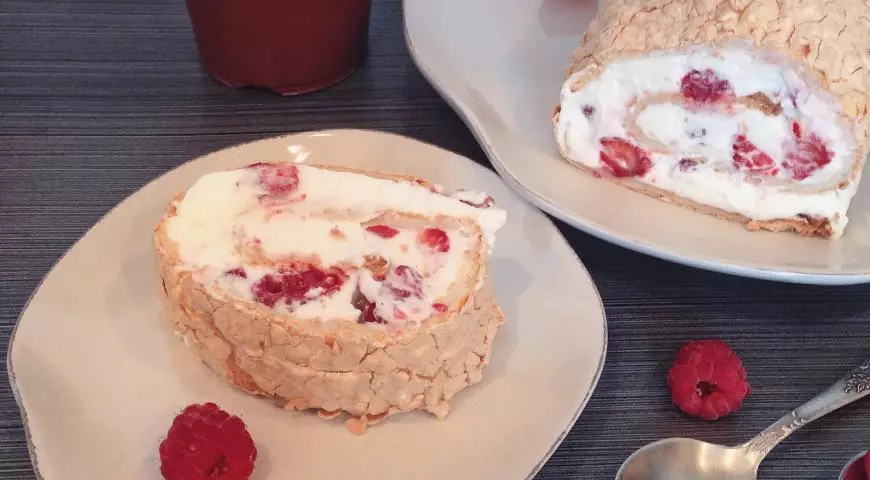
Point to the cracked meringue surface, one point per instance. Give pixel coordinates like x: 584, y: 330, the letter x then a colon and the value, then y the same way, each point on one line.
x: 333, y: 290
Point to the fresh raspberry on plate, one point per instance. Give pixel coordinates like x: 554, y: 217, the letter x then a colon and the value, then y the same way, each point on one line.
x: 707, y: 379
x: 207, y: 443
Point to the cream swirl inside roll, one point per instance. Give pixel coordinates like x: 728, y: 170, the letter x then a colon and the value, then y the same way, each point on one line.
x: 329, y: 244
x: 730, y: 127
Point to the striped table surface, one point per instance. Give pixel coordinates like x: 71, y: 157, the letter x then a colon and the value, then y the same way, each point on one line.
x: 97, y: 97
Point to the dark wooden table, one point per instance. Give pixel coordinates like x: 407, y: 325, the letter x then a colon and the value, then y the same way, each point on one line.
x: 97, y: 97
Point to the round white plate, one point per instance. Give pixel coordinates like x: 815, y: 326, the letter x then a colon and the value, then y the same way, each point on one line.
x: 500, y: 63
x: 99, y: 377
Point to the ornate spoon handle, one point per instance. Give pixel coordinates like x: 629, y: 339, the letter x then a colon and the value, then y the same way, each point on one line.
x: 852, y: 387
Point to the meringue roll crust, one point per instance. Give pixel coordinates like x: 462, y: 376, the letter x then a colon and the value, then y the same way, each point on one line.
x: 334, y: 290
x: 753, y: 113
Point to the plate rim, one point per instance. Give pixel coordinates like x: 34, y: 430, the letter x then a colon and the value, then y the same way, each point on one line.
x: 10, y: 370
x: 469, y: 118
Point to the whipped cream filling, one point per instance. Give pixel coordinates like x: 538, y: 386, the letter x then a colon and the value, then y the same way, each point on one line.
x: 327, y: 244
x: 732, y: 128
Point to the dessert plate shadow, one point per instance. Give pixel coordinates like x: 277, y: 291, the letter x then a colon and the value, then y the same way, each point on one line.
x: 98, y: 375
x: 500, y: 64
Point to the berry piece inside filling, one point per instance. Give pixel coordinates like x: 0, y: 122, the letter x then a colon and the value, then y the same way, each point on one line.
x: 434, y: 239
x: 704, y: 86
x: 707, y: 379
x: 383, y: 231
x: 747, y: 156
x: 404, y: 282
x: 623, y: 159
x: 588, y: 111
x: 277, y: 179
x: 808, y: 155
x: 207, y: 443
x: 293, y: 284
x: 796, y: 129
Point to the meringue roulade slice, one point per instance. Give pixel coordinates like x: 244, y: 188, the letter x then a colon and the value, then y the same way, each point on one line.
x: 754, y: 112
x: 330, y: 289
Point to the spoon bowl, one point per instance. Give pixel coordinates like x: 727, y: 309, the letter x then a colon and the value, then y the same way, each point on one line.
x: 688, y: 459
x: 685, y: 458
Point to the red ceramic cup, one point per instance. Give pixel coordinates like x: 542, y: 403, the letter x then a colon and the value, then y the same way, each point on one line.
x: 855, y: 469
x: 290, y: 46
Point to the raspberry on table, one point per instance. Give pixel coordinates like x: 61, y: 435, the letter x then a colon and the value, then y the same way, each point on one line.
x: 207, y: 443
x: 707, y: 379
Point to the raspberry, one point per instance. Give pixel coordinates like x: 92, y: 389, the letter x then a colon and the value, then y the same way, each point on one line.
x: 207, y: 443
x: 747, y: 156
x: 806, y: 156
x: 383, y: 231
x: 434, y: 238
x: 439, y: 307
x: 707, y: 379
x: 623, y: 159
x: 293, y: 284
x: 588, y: 111
x: 704, y: 86
x: 268, y: 290
x: 277, y: 178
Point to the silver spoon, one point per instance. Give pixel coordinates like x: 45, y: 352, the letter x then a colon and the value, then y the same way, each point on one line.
x: 685, y: 458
